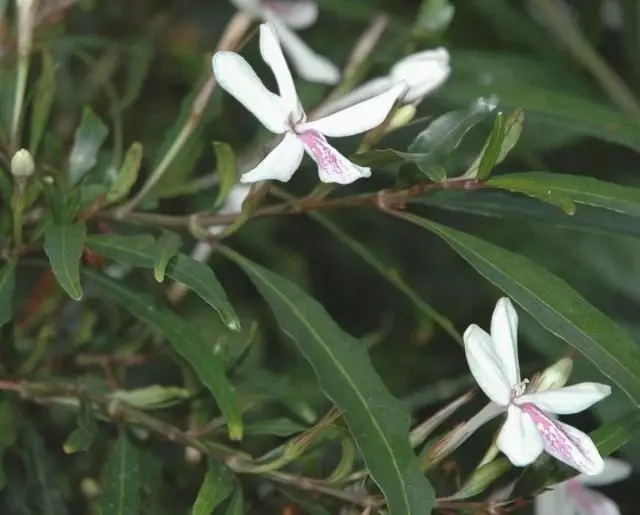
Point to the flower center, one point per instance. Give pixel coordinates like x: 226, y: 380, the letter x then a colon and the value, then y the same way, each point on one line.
x: 519, y: 389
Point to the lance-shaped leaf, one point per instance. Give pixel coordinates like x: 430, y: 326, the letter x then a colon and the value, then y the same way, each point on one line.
x: 236, y: 504
x: 227, y: 166
x: 121, y: 495
x: 553, y: 303
x: 377, y: 420
x: 167, y: 247
x: 128, y: 174
x: 216, y: 487
x: 518, y: 184
x: 208, y: 365
x: 63, y: 245
x: 89, y: 137
x: 7, y: 286
x: 43, y: 100
x: 140, y: 251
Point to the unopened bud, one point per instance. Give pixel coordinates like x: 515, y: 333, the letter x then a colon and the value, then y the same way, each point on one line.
x: 192, y: 455
x: 481, y: 478
x: 22, y: 165
x: 90, y: 487
x: 555, y: 376
x: 402, y: 117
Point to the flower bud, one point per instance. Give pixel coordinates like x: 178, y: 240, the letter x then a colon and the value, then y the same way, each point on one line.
x: 555, y: 376
x: 22, y: 165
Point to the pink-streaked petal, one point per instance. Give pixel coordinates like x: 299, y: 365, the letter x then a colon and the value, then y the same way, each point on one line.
x: 614, y: 470
x: 359, y: 118
x: 424, y: 72
x: 554, y: 502
x: 280, y: 164
x: 504, y: 333
x: 297, y: 15
x: 519, y: 438
x: 333, y: 167
x: 590, y: 502
x: 307, y: 63
x: 567, y: 400
x: 485, y: 365
x: 566, y: 443
x: 273, y: 56
x: 236, y: 77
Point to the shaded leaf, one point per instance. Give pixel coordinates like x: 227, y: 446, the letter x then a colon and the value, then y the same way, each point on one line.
x: 82, y: 436
x: 553, y: 303
x: 128, y: 174
x: 378, y: 422
x: 121, y: 495
x: 7, y: 435
x: 43, y: 100
x: 167, y: 247
x: 208, y: 365
x: 481, y: 478
x: 63, y: 245
x: 537, y: 190
x: 151, y: 397
x: 216, y: 487
x: 139, y: 251
x: 89, y: 137
x: 227, y: 167
x: 236, y: 505
x: 7, y: 287
x: 275, y: 427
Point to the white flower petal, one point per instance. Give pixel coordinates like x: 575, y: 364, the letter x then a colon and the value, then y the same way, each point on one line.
x: 424, y: 72
x: 566, y: 443
x: 519, y: 438
x: 309, y: 65
x: 358, y: 118
x: 486, y: 366
x: 363, y: 92
x: 614, y: 470
x: 332, y: 165
x: 590, y: 502
x: 280, y: 164
x: 297, y: 15
x: 504, y: 333
x: 236, y: 77
x: 272, y: 55
x: 553, y: 502
x: 567, y: 400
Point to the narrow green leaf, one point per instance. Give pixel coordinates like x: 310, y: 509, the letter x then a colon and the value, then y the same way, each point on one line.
x: 236, y: 505
x: 121, y: 495
x: 553, y: 303
x: 82, y: 436
x: 390, y: 274
x: 7, y: 287
x: 481, y: 478
x: 276, y: 427
x: 491, y: 150
x: 167, y: 247
x: 518, y: 184
x: 216, y: 487
x: 63, y: 245
x: 583, y: 190
x: 151, y: 397
x: 378, y: 422
x: 208, y: 365
x: 89, y: 137
x: 139, y: 251
x: 128, y: 174
x: 227, y: 170
x: 43, y: 100
x: 388, y: 157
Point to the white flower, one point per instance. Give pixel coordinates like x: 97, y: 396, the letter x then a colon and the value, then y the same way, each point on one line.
x: 283, y: 114
x: 287, y: 15
x: 530, y: 427
x: 423, y: 72
x: 574, y: 498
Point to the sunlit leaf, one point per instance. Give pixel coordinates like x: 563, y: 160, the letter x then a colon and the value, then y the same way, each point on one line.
x: 89, y: 137
x: 553, y: 303
x: 208, y: 365
x: 121, y: 495
x: 216, y: 487
x: 63, y: 245
x: 378, y: 422
x: 151, y: 397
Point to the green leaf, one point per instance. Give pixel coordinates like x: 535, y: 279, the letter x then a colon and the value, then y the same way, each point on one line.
x: 63, y: 245
x: 43, y: 100
x: 82, y: 437
x: 582, y: 190
x: 276, y: 427
x: 481, y: 478
x: 7, y: 435
x: 139, y: 251
x: 236, y: 505
x: 390, y: 274
x: 151, y: 397
x: 128, y: 174
x: 216, y: 487
x: 167, y: 247
x: 7, y: 287
x: 208, y: 365
x: 227, y: 167
x: 491, y: 150
x: 553, y: 303
x: 378, y: 422
x: 388, y: 157
x: 121, y: 495
x: 89, y: 137
x: 518, y: 184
